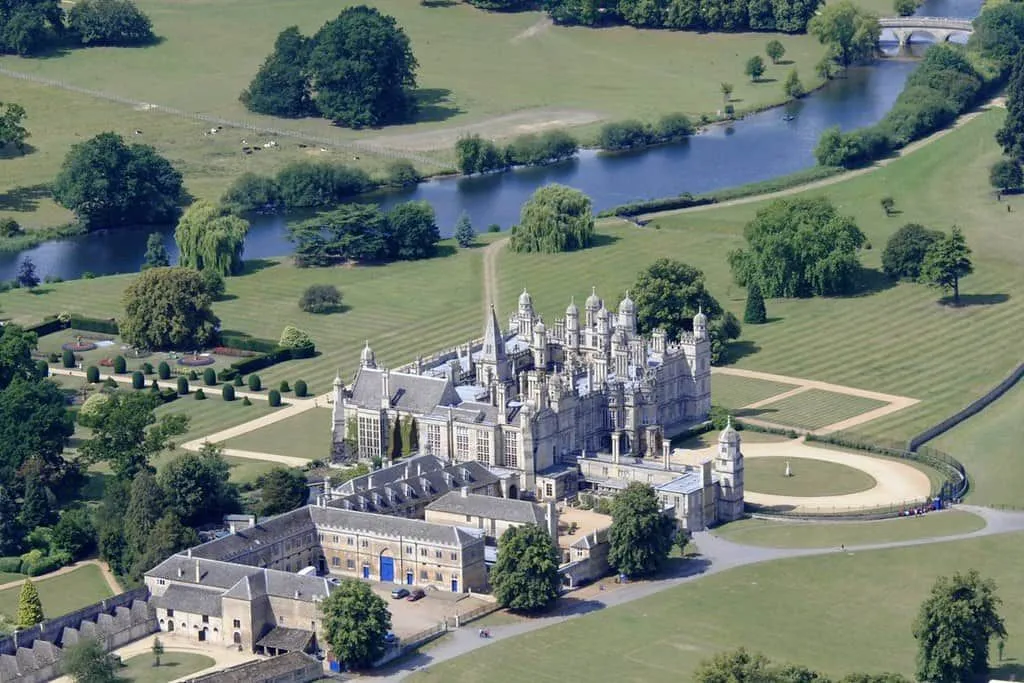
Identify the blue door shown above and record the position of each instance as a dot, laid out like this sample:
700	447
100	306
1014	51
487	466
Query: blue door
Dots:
408	578
455	585
366	571
387	569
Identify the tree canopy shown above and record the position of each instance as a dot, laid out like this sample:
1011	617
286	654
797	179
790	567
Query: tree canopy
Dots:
126	433
556	218
799	247
210	238
196	487
156	253
30	607
743	666
1011	136
355	621
109	184
667	294
525	576
11	131
999	32
168	308
641	535
87	661
849	32
905	251
358	71
1006	175
29	26
789	16
34	425
320	299
948	260
464	233
281	490
109	22
954	627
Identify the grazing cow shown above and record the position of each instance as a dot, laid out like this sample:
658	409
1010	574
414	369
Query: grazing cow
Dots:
138	132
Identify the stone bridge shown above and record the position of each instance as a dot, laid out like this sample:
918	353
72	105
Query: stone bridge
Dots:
939	28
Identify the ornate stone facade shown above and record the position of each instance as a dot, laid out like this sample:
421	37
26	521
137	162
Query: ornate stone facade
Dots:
528	400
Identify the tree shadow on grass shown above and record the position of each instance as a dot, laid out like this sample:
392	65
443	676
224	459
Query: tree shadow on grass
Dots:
24	199
975	300
736	350
601	239
255	265
435	105
1007	670
871	281
15	152
435	4
766	80
41	291
679	567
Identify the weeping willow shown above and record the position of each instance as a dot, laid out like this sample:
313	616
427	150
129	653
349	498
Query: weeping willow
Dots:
556	218
211	239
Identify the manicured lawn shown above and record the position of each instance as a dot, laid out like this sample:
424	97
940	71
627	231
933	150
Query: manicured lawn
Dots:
730	391
307	435
837	613
244	470
893	339
711	438
6	577
809	535
809	477
813	409
173	665
213	414
61	594
989	444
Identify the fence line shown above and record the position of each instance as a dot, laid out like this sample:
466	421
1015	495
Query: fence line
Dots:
352	145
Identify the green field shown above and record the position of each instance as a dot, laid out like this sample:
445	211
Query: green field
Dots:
61	594
173	665
810	535
989	445
307	435
809	477
730	391
855	615
244	470
813	409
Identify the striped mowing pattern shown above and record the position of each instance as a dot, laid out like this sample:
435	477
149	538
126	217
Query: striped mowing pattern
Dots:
730	391
307	435
813	409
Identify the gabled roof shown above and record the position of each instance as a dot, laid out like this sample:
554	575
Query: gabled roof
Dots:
181	569
505	509
414	393
245	540
393	527
290	639
390	493
190	599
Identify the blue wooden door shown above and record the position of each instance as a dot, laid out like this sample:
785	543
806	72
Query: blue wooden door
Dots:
387	569
455	585
366	571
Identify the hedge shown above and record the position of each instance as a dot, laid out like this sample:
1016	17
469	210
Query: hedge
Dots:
167	395
683	201
49	325
163	370
67	359
10	565
92	374
120	365
300	388
200	395
227	374
209	377
248	343
182	386
102	325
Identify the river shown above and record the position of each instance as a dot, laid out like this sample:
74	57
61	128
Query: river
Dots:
760	147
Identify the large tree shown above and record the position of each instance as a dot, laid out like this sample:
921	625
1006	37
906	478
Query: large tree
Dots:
87	661
799	247
1006	175
954	627
29	26
641	535
355	232
668	294
74	533
210	238
109	184
362	69
126	433
526	575
16	347
464	234
946	262
905	251
355	621
169	536
30	607
999	32
1011	135
34	425
12	533
145	508
281	86
11	130
168	308
849	32
196	487
282	489
414	231
35	503
555	218
109	22
156	253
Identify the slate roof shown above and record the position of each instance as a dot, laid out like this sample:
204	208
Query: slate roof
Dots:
391	492
290	639
393	527
506	509
270	530
686	484
261	670
190	599
415	393
213	573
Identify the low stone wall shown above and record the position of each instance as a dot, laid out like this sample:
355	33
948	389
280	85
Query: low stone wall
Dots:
293	667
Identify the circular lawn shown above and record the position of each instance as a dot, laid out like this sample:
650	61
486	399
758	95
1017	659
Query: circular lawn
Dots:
809	477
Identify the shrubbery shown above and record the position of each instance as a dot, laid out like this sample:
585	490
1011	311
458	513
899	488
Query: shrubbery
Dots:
209	377
109	22
905	251
634	134
227	392
182	386
320	299
788	16
67	359
92	374
255	384
274	398
252	192
138	380
120	365
199	395
307	184
300	388
163	370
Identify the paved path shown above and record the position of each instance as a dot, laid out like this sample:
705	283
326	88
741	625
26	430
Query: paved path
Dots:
162	383
894	403
717	555
108	576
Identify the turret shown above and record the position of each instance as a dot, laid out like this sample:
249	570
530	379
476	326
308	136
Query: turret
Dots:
572	325
540	345
525	315
700	324
366	358
592	306
627	315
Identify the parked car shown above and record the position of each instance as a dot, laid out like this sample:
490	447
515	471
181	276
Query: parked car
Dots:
390	638
417	594
399	593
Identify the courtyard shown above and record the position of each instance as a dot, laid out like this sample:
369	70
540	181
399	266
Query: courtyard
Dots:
410	618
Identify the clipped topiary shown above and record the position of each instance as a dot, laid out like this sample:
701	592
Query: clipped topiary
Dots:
92	374
42	368
238	381
254	383
163	371
274	398
120	365
138	380
147	369
67	359
199	395
193	375
210	377
300	388
246	401
227	392
182	386
284	388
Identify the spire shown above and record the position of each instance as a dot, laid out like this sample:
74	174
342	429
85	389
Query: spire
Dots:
337	379
494	343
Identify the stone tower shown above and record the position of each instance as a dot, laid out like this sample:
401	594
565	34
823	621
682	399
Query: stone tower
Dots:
493	366
729	468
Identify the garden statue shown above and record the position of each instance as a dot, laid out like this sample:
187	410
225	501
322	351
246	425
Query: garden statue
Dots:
789	472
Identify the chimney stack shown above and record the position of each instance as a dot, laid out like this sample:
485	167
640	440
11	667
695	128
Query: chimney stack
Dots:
181	573
199	574
665	453
465	492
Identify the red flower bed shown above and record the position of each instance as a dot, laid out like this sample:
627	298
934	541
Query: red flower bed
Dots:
78	347
228	351
195	361
107	362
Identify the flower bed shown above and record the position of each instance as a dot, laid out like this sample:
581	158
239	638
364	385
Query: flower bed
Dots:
107	362
229	351
195	361
78	346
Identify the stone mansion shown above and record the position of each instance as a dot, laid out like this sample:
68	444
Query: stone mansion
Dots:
528	400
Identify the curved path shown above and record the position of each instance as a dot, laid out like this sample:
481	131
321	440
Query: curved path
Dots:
719	555
108	576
